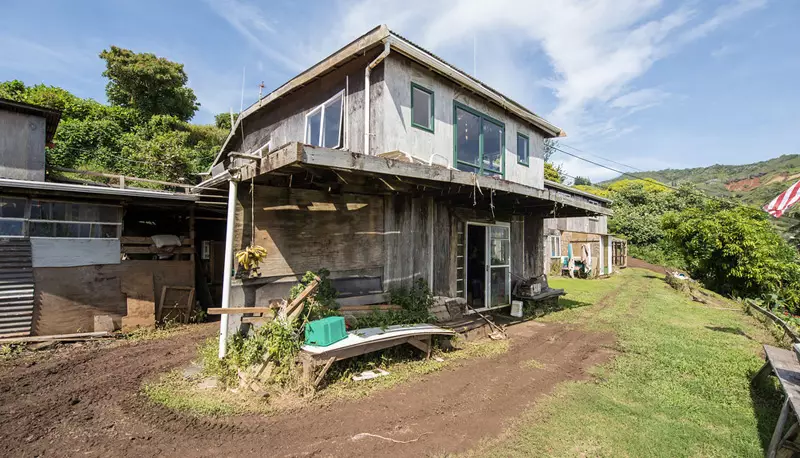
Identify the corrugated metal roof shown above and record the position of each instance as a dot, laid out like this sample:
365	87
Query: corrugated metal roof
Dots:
51	117
102	190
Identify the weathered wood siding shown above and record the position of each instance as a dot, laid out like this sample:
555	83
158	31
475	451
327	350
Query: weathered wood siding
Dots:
584	224
284	121
308	230
22	142
409	229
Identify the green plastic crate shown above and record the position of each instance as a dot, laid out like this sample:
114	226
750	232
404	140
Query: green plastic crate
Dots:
326	331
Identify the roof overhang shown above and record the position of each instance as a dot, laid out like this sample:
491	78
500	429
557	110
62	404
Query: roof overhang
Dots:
334	170
51	117
47	186
375	38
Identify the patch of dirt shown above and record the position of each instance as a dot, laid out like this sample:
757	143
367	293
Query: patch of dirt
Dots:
745	184
638	263
88	403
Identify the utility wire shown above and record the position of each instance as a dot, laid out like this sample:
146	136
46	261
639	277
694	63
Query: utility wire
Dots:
601	157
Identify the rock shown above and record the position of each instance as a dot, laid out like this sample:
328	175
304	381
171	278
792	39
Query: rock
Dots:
103	323
208	383
192	371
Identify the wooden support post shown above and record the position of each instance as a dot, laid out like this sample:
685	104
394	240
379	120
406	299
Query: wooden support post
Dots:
324	371
778	434
763	372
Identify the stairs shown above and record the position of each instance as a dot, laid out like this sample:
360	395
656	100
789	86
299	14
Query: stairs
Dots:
16	288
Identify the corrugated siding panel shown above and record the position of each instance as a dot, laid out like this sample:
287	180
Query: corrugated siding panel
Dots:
16	288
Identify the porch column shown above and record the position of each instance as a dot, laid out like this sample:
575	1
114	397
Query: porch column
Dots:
228	268
610	254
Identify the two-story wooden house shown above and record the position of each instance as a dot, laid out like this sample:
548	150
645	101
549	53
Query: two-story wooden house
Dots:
383	163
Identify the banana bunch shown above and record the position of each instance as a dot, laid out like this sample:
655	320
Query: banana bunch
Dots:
251	257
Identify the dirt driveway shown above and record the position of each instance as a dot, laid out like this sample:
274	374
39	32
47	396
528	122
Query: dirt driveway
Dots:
86	403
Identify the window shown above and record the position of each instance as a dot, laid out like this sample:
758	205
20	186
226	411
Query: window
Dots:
421	107
479	142
12	216
523	149
554	244
71	219
324	123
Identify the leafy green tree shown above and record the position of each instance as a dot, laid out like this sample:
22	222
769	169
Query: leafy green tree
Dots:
152	85
582	181
735	251
223	120
552	172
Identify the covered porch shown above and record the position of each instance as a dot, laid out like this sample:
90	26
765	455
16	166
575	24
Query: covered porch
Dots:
377	223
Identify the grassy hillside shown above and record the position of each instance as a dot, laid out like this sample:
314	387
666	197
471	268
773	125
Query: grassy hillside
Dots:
753	184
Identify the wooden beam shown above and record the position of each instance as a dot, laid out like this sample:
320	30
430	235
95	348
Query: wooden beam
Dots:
363	300
76	336
239	310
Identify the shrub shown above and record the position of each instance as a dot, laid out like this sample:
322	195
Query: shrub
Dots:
415	303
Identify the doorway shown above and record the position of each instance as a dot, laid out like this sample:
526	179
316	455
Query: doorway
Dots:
488	275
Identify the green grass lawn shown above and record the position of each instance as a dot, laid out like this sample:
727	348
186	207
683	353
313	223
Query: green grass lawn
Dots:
679	387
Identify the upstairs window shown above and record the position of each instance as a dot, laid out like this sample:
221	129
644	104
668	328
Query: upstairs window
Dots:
324	123
421	107
523	149
479	142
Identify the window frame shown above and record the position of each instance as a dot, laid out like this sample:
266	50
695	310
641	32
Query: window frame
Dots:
431	119
527	161
550	239
24	219
483	117
27	220
321	109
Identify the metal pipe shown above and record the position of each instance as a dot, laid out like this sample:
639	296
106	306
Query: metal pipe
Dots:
367	72
228	268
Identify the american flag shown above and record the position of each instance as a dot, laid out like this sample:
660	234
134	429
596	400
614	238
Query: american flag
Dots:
784	201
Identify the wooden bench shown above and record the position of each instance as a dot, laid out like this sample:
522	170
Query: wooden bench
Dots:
367	340
785	366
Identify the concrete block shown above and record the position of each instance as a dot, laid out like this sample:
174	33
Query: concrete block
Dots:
103	323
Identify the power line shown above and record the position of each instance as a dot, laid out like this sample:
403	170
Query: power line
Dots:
628	174
600	157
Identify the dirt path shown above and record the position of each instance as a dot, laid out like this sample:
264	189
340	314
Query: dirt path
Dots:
638	263
87	404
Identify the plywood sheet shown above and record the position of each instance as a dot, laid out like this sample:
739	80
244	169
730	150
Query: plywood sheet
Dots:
70	252
307	230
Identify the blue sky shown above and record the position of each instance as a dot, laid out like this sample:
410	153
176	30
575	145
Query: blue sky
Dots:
648	83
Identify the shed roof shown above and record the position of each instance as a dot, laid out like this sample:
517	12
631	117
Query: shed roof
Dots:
51	117
375	37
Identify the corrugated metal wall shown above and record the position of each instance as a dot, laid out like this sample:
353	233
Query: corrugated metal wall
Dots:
16	288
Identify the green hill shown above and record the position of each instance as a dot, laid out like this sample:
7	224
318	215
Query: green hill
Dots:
753	184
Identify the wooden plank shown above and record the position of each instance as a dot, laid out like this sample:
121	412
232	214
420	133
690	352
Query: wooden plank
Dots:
79	335
238	310
310	288
367	308
363	300
772	450
324	371
153	250
149	240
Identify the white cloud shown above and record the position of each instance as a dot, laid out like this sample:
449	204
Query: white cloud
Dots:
76	62
597	50
639	100
251	23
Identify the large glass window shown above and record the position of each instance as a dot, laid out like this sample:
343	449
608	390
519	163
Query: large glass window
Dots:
523	149
421	107
324	123
479	143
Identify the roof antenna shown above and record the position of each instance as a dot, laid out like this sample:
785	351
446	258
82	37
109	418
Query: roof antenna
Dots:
241	103
474	56
260	88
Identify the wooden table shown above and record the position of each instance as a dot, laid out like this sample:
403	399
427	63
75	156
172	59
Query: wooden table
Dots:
368	340
785	366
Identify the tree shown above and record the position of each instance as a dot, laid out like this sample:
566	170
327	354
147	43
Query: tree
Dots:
582	181
550	148
223	120
735	251
552	172
149	84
